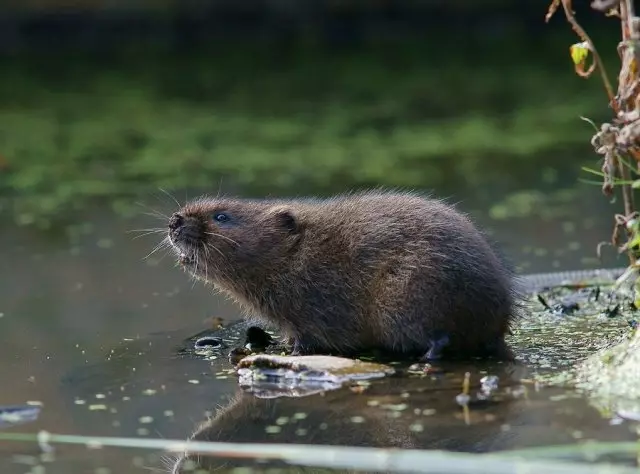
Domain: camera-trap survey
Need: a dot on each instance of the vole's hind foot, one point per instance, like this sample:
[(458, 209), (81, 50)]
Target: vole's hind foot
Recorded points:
[(437, 344)]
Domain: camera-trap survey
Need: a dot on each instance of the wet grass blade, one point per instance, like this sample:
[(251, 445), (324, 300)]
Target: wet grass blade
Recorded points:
[(575, 451), (338, 457)]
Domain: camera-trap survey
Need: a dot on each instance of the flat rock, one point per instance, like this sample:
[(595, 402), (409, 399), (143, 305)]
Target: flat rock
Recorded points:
[(270, 376)]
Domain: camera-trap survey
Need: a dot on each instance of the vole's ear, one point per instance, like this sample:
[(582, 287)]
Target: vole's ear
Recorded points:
[(286, 219)]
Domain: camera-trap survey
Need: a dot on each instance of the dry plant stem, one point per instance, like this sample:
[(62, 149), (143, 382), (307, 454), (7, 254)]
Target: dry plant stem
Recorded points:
[(627, 13), (623, 104), (568, 11), (627, 191), (626, 19)]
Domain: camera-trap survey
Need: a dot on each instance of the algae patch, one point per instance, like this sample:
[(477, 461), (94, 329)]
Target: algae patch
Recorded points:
[(612, 376)]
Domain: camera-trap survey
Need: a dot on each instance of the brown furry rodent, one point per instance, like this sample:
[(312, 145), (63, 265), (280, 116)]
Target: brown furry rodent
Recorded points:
[(384, 270)]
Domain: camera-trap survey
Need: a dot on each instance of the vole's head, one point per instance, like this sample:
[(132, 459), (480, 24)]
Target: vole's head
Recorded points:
[(215, 237)]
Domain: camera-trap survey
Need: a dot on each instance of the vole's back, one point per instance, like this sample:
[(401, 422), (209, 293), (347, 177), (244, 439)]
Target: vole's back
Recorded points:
[(393, 270)]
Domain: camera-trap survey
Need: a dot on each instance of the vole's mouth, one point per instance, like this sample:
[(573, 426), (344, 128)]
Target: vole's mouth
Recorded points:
[(186, 259), (186, 253)]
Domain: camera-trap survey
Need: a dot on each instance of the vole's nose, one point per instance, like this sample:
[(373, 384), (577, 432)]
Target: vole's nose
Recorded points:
[(185, 229), (176, 221)]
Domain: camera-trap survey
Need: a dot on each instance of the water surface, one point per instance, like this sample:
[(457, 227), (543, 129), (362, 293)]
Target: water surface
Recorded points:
[(91, 331)]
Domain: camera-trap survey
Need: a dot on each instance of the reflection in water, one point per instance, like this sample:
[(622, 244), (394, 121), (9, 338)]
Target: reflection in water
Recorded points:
[(406, 412), (90, 332), (335, 418)]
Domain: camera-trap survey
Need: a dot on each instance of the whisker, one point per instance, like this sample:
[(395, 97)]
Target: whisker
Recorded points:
[(160, 229), (171, 196), (223, 237), (155, 216), (168, 461), (155, 213), (206, 261), (195, 269), (219, 188), (216, 249), (154, 469), (149, 233), (164, 243), (166, 253), (152, 230)]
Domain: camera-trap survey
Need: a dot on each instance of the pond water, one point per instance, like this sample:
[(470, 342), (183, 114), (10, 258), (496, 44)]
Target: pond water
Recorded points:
[(91, 331)]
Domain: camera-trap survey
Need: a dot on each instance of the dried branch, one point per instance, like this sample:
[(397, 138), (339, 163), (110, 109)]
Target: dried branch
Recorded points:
[(605, 6), (620, 138), (582, 34)]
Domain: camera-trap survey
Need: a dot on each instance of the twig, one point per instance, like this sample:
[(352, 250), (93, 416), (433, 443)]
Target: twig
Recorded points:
[(620, 137), (568, 11)]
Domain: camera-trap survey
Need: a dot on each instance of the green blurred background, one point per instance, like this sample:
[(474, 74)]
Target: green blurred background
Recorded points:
[(108, 101)]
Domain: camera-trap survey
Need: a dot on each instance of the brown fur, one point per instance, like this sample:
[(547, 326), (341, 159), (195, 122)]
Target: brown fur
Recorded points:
[(372, 270)]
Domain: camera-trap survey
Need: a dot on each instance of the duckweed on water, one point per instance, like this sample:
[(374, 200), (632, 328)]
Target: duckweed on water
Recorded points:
[(398, 407), (554, 340), (99, 407), (283, 420)]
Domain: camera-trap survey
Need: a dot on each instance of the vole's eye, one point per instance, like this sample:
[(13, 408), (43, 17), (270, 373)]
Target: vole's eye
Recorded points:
[(220, 217)]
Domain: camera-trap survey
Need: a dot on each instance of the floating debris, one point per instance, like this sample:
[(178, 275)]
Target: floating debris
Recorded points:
[(97, 407), (417, 427), (563, 308), (18, 414), (396, 407), (489, 383)]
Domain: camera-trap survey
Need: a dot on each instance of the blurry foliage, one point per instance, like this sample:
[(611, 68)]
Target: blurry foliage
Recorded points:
[(73, 129), (526, 203), (617, 141)]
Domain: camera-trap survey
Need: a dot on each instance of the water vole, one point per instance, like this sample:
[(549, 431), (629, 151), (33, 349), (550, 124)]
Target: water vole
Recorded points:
[(371, 270)]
